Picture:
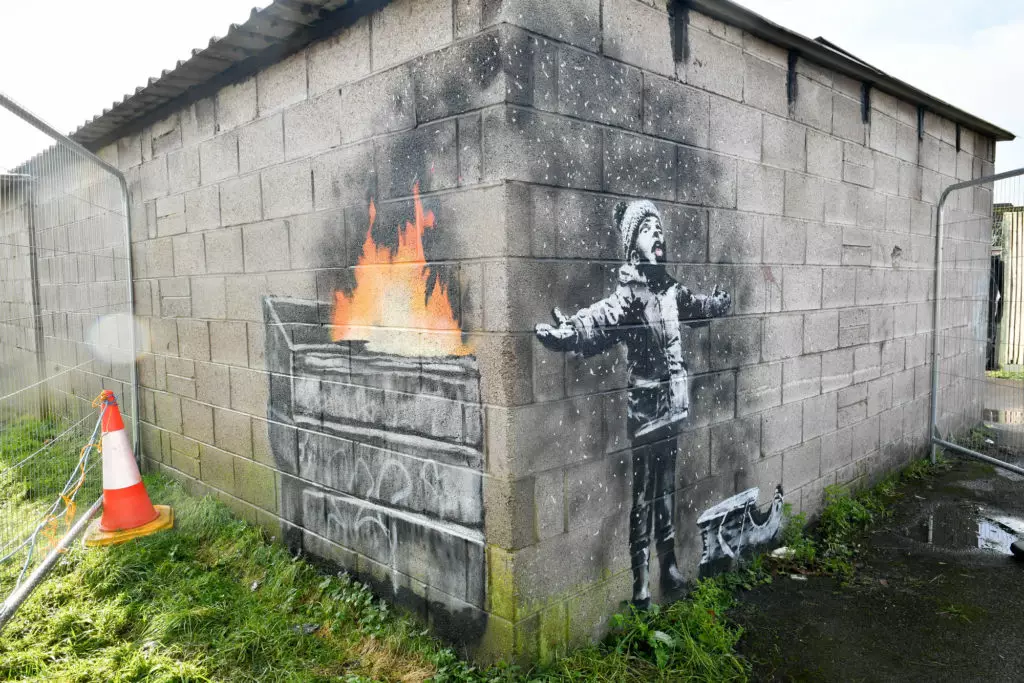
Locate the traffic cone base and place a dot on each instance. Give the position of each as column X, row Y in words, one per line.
column 96, row 536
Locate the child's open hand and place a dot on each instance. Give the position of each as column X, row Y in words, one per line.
column 556, row 338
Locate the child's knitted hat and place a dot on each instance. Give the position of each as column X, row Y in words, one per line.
column 628, row 218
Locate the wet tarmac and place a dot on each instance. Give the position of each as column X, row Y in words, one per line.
column 937, row 595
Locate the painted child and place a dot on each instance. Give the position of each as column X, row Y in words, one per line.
column 645, row 314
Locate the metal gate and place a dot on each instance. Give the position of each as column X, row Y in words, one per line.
column 977, row 381
column 66, row 332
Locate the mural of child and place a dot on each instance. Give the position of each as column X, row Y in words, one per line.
column 645, row 313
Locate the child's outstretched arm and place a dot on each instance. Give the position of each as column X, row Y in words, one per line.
column 592, row 329
column 696, row 306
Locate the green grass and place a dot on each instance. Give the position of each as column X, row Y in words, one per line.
column 1005, row 374
column 212, row 600
column 833, row 546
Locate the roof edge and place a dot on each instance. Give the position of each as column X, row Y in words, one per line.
column 748, row 20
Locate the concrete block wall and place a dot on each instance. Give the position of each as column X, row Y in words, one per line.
column 491, row 491
column 818, row 222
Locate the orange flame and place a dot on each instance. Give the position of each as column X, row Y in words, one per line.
column 390, row 307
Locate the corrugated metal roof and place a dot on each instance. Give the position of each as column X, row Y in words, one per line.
column 285, row 26
column 269, row 34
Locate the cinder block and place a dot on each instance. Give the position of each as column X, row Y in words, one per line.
column 212, row 384
column 764, row 85
column 801, row 288
column 153, row 178
column 218, row 158
column 897, row 214
column 879, row 395
column 814, row 103
column 887, row 173
column 858, row 165
column 781, row 428
column 824, row 247
column 865, row 437
column 880, row 325
column 735, row 237
column 287, row 189
column 784, row 144
column 820, row 415
column 706, row 178
column 194, row 339
column 129, row 151
column 525, row 145
column 236, row 104
column 189, row 255
column 804, row 196
column 639, row 166
column 224, row 251
column 427, row 155
column 824, row 155
column 168, row 411
column 250, row 390
column 676, row 112
column 785, row 239
column 624, row 20
column 202, row 208
column 265, row 246
column 197, row 122
column 760, row 188
column 183, row 170
column 867, row 362
column 821, row 331
column 217, row 468
column 737, row 342
column 208, row 297
column 736, row 129
column 228, row 343
column 407, row 28
column 261, row 143
column 232, row 432
column 549, row 502
column 801, row 465
column 197, row 421
column 240, row 200
column 715, row 65
column 472, row 74
column 836, row 369
column 313, row 240
column 344, row 177
column 576, row 22
column 282, row 83
column 735, row 443
column 340, row 59
column 581, row 75
column 383, row 103
column 846, row 119
column 312, row 126
column 882, row 133
column 778, row 340
column 758, row 387
column 801, row 378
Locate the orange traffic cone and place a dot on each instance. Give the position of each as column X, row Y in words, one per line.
column 127, row 510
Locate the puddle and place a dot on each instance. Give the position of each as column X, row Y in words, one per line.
column 959, row 527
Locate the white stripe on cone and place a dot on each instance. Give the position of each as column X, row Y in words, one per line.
column 119, row 468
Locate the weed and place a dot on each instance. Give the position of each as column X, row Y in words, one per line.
column 846, row 516
column 1005, row 374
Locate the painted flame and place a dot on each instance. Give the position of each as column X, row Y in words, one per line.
column 390, row 307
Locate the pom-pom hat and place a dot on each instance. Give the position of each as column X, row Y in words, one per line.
column 628, row 218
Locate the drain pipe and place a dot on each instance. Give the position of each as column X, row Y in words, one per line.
column 13, row 602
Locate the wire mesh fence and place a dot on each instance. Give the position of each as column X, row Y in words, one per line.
column 66, row 332
column 979, row 374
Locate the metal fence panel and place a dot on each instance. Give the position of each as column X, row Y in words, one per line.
column 66, row 333
column 978, row 354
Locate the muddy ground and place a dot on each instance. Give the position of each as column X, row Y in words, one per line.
column 951, row 609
